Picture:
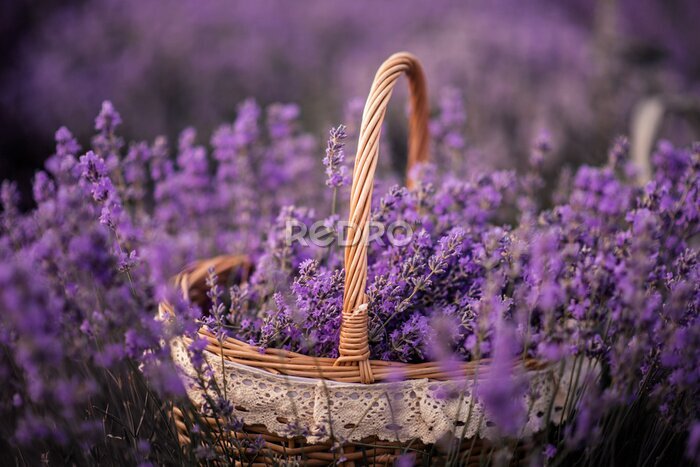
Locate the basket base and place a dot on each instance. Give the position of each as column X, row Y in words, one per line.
column 237, row 447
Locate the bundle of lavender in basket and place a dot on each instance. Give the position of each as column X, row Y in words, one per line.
column 459, row 248
column 462, row 274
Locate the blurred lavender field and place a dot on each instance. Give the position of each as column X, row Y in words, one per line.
column 574, row 69
column 169, row 132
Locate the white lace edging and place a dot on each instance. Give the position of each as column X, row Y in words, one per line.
column 421, row 409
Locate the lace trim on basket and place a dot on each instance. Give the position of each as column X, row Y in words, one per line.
column 422, row 409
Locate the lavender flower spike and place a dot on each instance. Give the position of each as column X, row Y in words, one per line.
column 502, row 391
column 108, row 119
column 335, row 154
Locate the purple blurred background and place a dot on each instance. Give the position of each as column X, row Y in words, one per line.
column 575, row 68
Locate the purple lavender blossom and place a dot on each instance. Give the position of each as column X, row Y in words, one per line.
column 335, row 155
column 550, row 451
column 502, row 390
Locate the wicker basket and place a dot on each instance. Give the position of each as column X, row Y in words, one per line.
column 239, row 364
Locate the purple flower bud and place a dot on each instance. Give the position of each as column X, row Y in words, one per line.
column 550, row 451
column 335, row 155
column 108, row 119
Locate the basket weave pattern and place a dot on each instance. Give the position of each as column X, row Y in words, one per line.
column 353, row 368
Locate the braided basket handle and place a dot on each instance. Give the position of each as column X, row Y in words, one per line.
column 354, row 339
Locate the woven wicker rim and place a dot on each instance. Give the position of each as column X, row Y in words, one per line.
column 191, row 282
column 353, row 365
